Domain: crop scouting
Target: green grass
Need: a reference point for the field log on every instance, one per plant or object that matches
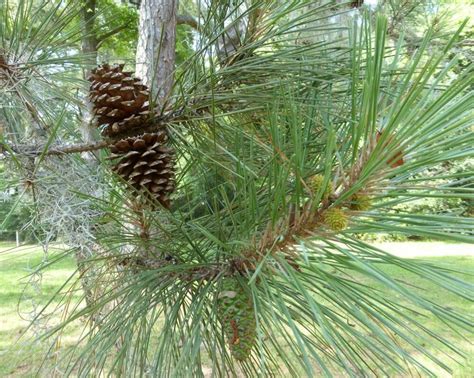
(465, 264)
(19, 356)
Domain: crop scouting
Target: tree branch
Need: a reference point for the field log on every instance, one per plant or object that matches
(186, 19)
(103, 37)
(32, 151)
(150, 126)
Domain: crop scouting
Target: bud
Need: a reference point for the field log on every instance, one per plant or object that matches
(398, 158)
(316, 182)
(360, 202)
(335, 219)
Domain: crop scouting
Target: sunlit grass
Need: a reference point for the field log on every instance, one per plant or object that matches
(461, 368)
(20, 300)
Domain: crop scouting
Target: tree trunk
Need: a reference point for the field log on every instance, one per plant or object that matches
(89, 49)
(89, 37)
(156, 46)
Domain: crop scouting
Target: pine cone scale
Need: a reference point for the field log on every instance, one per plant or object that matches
(145, 163)
(124, 97)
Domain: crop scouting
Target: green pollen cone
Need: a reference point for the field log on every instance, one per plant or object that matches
(335, 219)
(360, 202)
(316, 182)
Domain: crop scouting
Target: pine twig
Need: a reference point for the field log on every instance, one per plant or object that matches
(35, 150)
(111, 33)
(186, 19)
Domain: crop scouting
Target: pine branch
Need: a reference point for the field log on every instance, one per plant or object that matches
(36, 150)
(103, 37)
(153, 125)
(186, 19)
(292, 227)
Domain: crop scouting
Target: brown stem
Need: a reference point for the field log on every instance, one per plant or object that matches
(35, 150)
(186, 19)
(109, 34)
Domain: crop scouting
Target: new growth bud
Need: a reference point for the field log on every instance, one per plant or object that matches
(316, 183)
(335, 219)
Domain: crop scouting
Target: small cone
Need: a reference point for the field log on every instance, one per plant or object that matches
(3, 63)
(238, 318)
(146, 163)
(8, 72)
(360, 202)
(335, 219)
(316, 182)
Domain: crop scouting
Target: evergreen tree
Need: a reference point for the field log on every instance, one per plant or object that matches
(231, 190)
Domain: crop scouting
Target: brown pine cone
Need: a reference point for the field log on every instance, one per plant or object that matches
(146, 163)
(120, 100)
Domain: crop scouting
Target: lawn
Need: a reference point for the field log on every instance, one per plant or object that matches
(19, 356)
(22, 295)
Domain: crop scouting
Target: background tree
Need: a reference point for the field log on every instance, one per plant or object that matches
(284, 152)
(14, 215)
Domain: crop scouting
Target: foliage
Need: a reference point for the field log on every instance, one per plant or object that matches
(14, 214)
(38, 64)
(14, 218)
(113, 16)
(251, 127)
(409, 20)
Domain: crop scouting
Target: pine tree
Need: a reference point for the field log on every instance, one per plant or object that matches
(285, 152)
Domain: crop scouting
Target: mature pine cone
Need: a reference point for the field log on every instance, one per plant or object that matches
(146, 163)
(120, 100)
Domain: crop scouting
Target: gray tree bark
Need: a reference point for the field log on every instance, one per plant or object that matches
(156, 48)
(89, 48)
(89, 37)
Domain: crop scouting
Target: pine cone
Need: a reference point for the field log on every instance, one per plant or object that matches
(8, 73)
(120, 100)
(238, 318)
(146, 163)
